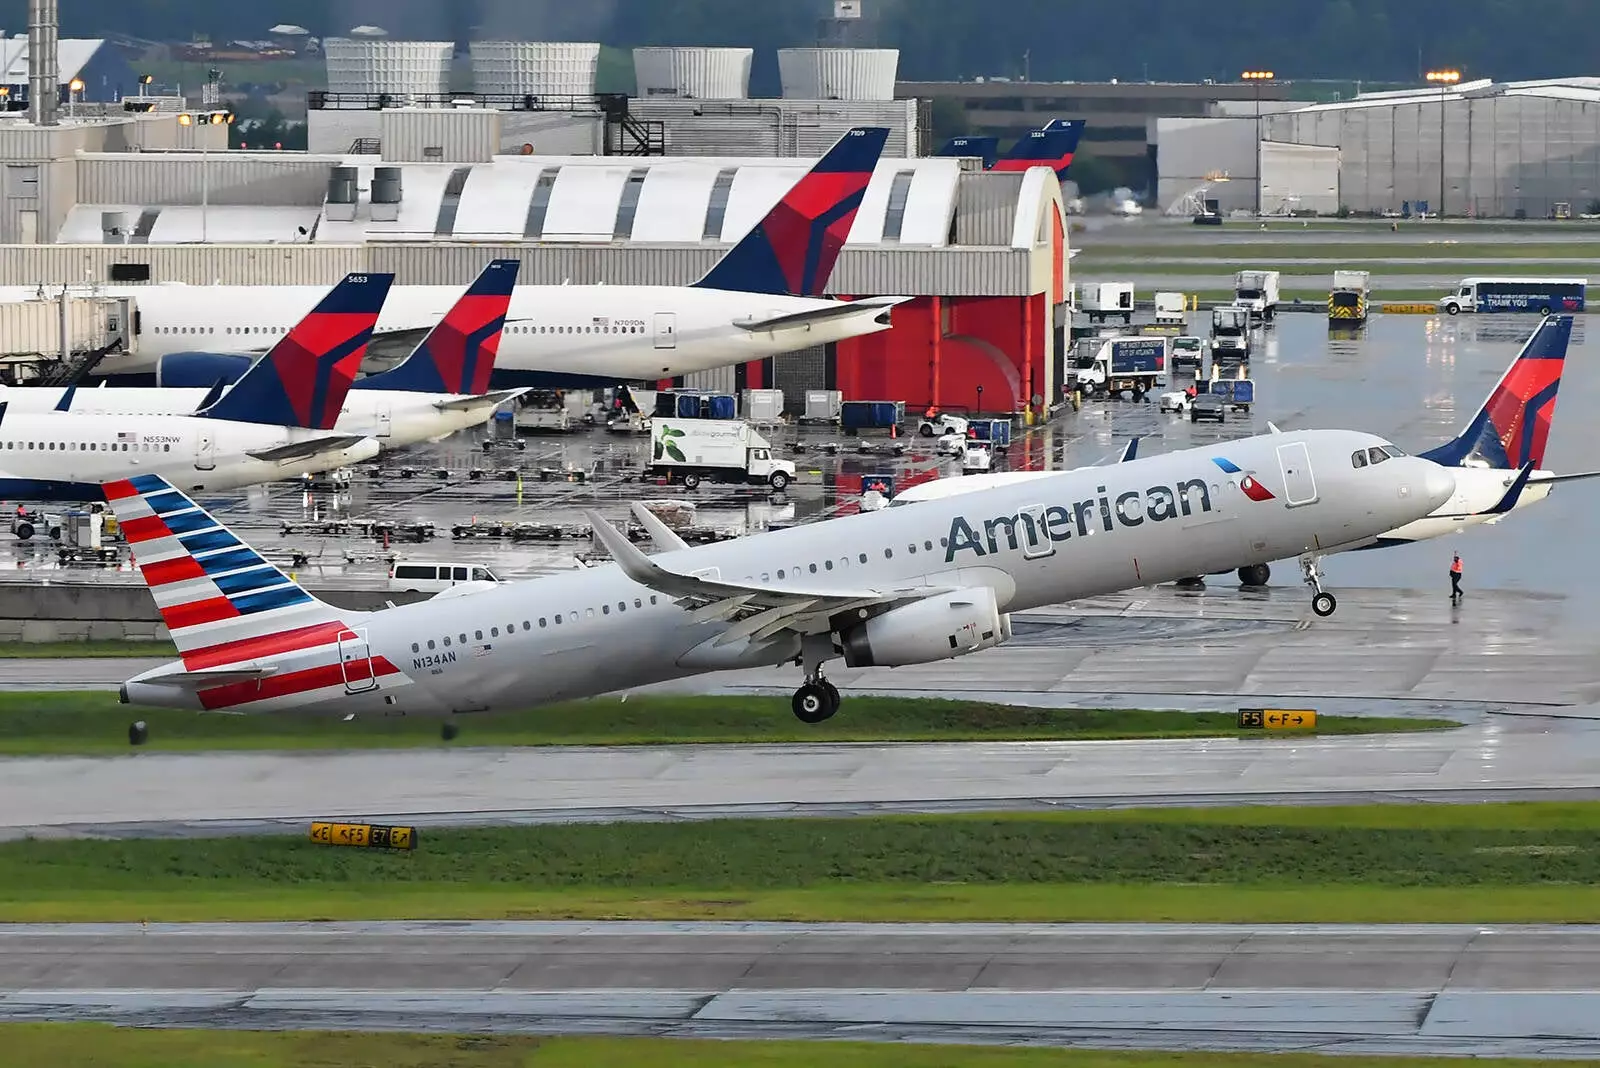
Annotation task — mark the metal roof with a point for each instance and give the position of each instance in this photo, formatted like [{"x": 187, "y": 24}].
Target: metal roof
[
  {"x": 189, "y": 224},
  {"x": 72, "y": 55},
  {"x": 1586, "y": 90}
]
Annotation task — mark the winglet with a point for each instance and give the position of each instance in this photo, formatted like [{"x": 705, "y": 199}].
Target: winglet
[
  {"x": 792, "y": 251},
  {"x": 1273, "y": 427},
  {"x": 635, "y": 564},
  {"x": 1131, "y": 452},
  {"x": 457, "y": 356},
  {"x": 303, "y": 379},
  {"x": 1513, "y": 492},
  {"x": 65, "y": 403},
  {"x": 660, "y": 534}
]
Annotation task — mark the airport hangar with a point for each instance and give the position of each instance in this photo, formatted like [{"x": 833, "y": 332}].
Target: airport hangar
[{"x": 984, "y": 255}]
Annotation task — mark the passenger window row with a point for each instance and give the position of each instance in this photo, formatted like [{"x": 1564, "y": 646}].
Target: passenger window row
[
  {"x": 527, "y": 624},
  {"x": 86, "y": 446},
  {"x": 518, "y": 328}
]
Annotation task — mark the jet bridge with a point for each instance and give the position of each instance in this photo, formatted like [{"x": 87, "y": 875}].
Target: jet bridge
[{"x": 54, "y": 339}]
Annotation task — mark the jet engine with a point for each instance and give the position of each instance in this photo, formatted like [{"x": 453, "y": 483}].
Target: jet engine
[
  {"x": 936, "y": 628},
  {"x": 201, "y": 370}
]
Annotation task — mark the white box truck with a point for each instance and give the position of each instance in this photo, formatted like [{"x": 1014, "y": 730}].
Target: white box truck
[
  {"x": 1258, "y": 291},
  {"x": 1102, "y": 300},
  {"x": 1172, "y": 309},
  {"x": 692, "y": 451}
]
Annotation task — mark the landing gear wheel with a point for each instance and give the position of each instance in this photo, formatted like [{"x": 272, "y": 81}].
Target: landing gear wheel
[
  {"x": 1323, "y": 604},
  {"x": 815, "y": 701},
  {"x": 448, "y": 731},
  {"x": 1254, "y": 575},
  {"x": 138, "y": 732}
]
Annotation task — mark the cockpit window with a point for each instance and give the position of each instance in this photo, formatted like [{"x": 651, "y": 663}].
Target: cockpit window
[
  {"x": 1392, "y": 451},
  {"x": 1376, "y": 455},
  {"x": 1358, "y": 458}
]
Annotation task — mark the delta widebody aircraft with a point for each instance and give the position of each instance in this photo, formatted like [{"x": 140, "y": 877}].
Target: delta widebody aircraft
[
  {"x": 887, "y": 588},
  {"x": 276, "y": 422},
  {"x": 764, "y": 297},
  {"x": 442, "y": 387}
]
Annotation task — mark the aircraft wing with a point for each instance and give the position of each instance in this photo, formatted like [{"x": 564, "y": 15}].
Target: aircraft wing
[
  {"x": 300, "y": 450},
  {"x": 492, "y": 399},
  {"x": 837, "y": 310},
  {"x": 758, "y": 611}
]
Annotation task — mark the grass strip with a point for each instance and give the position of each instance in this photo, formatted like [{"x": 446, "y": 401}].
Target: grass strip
[
  {"x": 91, "y": 721},
  {"x": 1447, "y": 250},
  {"x": 92, "y": 1044},
  {"x": 96, "y": 649},
  {"x": 1499, "y": 863}
]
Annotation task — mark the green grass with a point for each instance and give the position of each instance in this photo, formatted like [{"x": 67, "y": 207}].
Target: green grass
[
  {"x": 1319, "y": 297},
  {"x": 89, "y": 1045},
  {"x": 103, "y": 648},
  {"x": 1499, "y": 863},
  {"x": 1492, "y": 256},
  {"x": 92, "y": 721}
]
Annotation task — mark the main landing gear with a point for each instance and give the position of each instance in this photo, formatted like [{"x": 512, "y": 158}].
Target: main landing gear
[
  {"x": 1322, "y": 602},
  {"x": 817, "y": 699}
]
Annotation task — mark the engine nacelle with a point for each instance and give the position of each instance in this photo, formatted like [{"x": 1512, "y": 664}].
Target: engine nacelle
[
  {"x": 936, "y": 628},
  {"x": 201, "y": 370}
]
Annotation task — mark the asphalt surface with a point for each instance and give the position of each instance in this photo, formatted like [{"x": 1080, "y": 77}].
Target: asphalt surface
[{"x": 1507, "y": 991}]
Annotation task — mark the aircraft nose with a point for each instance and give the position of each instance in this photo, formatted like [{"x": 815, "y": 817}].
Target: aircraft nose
[{"x": 1438, "y": 484}]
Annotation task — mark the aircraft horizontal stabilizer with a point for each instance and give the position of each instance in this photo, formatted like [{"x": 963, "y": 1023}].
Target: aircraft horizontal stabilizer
[
  {"x": 1518, "y": 484},
  {"x": 205, "y": 678},
  {"x": 1547, "y": 478},
  {"x": 300, "y": 450},
  {"x": 791, "y": 607},
  {"x": 661, "y": 535},
  {"x": 485, "y": 400},
  {"x": 838, "y": 310}
]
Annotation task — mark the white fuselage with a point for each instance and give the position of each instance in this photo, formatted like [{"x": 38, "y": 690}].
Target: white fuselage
[
  {"x": 66, "y": 457},
  {"x": 1075, "y": 534},
  {"x": 618, "y": 333},
  {"x": 393, "y": 418},
  {"x": 1477, "y": 490}
]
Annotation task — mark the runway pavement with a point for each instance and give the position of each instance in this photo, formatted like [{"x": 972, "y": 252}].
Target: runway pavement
[{"x": 1528, "y": 991}]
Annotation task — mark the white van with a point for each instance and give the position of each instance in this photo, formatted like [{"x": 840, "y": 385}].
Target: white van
[{"x": 421, "y": 577}]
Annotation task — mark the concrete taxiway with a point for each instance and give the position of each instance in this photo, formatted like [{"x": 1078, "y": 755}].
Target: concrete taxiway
[{"x": 1509, "y": 991}]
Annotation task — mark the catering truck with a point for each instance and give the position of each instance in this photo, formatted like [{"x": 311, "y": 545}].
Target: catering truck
[
  {"x": 1134, "y": 365},
  {"x": 714, "y": 450},
  {"x": 1542, "y": 295},
  {"x": 1258, "y": 291}
]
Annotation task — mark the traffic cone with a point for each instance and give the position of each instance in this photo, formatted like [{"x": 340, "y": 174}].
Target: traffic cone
[{"x": 894, "y": 430}]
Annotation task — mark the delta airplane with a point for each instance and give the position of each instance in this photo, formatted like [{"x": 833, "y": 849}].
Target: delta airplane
[
  {"x": 762, "y": 298},
  {"x": 1496, "y": 459},
  {"x": 442, "y": 387},
  {"x": 887, "y": 588},
  {"x": 278, "y": 421}
]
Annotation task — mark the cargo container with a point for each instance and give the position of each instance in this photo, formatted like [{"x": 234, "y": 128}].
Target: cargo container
[
  {"x": 822, "y": 406},
  {"x": 715, "y": 450},
  {"x": 869, "y": 415},
  {"x": 1542, "y": 295},
  {"x": 1172, "y": 309},
  {"x": 1239, "y": 393},
  {"x": 1102, "y": 300},
  {"x": 763, "y": 406},
  {"x": 996, "y": 432}
]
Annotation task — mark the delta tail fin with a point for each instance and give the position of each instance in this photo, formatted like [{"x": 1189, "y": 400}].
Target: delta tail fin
[
  {"x": 1512, "y": 427},
  {"x": 458, "y": 354},
  {"x": 1053, "y": 147},
  {"x": 302, "y": 380},
  {"x": 984, "y": 148},
  {"x": 792, "y": 251},
  {"x": 246, "y": 631}
]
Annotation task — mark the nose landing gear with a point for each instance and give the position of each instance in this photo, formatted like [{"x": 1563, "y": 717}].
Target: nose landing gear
[{"x": 1323, "y": 603}]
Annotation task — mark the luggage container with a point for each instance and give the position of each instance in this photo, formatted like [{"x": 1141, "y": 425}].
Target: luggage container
[
  {"x": 822, "y": 406},
  {"x": 722, "y": 406}
]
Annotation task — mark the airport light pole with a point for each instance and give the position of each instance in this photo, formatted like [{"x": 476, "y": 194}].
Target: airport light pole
[
  {"x": 211, "y": 118},
  {"x": 1257, "y": 77},
  {"x": 74, "y": 94},
  {"x": 1444, "y": 79}
]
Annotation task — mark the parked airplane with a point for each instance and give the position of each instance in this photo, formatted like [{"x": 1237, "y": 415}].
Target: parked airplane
[
  {"x": 886, "y": 588},
  {"x": 762, "y": 298},
  {"x": 1052, "y": 146},
  {"x": 442, "y": 387},
  {"x": 1496, "y": 459},
  {"x": 297, "y": 388}
]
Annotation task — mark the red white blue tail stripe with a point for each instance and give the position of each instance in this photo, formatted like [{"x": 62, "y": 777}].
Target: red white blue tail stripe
[{"x": 226, "y": 606}]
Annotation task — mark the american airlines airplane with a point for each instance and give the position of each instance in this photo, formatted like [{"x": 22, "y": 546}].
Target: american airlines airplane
[
  {"x": 1496, "y": 459},
  {"x": 442, "y": 387},
  {"x": 278, "y": 421},
  {"x": 886, "y": 588},
  {"x": 764, "y": 297}
]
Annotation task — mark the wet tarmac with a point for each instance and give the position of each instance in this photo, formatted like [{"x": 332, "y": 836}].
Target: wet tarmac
[{"x": 1375, "y": 990}]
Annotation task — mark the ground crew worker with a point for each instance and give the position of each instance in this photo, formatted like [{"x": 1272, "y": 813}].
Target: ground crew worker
[{"x": 1455, "y": 579}]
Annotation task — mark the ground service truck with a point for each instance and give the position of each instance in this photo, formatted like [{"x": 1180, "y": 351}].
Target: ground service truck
[
  {"x": 1347, "y": 300},
  {"x": 1230, "y": 334},
  {"x": 1133, "y": 365},
  {"x": 714, "y": 450},
  {"x": 1542, "y": 295},
  {"x": 1257, "y": 291}
]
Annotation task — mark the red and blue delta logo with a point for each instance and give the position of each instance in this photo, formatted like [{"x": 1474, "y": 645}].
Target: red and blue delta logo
[{"x": 1247, "y": 482}]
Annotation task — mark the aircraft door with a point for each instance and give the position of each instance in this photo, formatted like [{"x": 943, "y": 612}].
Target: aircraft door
[
  {"x": 383, "y": 416},
  {"x": 205, "y": 449},
  {"x": 1036, "y": 543},
  {"x": 1299, "y": 484},
  {"x": 666, "y": 330},
  {"x": 355, "y": 662}
]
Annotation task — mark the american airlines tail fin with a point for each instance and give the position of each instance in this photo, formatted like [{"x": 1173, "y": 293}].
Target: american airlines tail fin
[
  {"x": 792, "y": 251},
  {"x": 1053, "y": 147},
  {"x": 1513, "y": 425},
  {"x": 247, "y": 632},
  {"x": 302, "y": 380},
  {"x": 984, "y": 148},
  {"x": 458, "y": 354}
]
